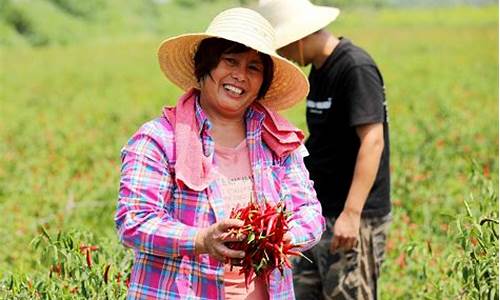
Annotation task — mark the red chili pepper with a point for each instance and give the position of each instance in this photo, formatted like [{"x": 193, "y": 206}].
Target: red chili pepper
[
  {"x": 56, "y": 269},
  {"x": 265, "y": 227},
  {"x": 270, "y": 224},
  {"x": 84, "y": 248},
  {"x": 287, "y": 262},
  {"x": 248, "y": 276},
  {"x": 88, "y": 258},
  {"x": 127, "y": 281}
]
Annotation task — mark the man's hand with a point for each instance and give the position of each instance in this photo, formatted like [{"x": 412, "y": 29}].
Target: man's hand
[
  {"x": 211, "y": 240},
  {"x": 346, "y": 230}
]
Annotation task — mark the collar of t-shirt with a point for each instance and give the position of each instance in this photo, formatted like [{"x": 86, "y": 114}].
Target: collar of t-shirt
[
  {"x": 339, "y": 50},
  {"x": 235, "y": 175}
]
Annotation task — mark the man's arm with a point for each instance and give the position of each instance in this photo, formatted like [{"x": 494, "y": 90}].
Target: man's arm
[{"x": 346, "y": 228}]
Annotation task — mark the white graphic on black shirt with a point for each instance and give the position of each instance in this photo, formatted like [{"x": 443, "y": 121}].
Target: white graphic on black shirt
[{"x": 317, "y": 107}]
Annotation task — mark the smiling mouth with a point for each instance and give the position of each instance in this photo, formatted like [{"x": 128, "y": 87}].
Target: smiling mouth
[{"x": 233, "y": 89}]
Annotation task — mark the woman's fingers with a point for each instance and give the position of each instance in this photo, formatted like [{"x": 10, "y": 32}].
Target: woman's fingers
[
  {"x": 227, "y": 224},
  {"x": 233, "y": 238},
  {"x": 227, "y": 252},
  {"x": 221, "y": 252},
  {"x": 229, "y": 230},
  {"x": 220, "y": 233},
  {"x": 238, "y": 262}
]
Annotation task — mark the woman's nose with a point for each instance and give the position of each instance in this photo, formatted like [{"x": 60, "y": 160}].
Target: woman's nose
[{"x": 239, "y": 74}]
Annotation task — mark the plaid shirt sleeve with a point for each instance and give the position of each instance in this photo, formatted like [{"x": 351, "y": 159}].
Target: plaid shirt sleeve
[
  {"x": 142, "y": 221},
  {"x": 307, "y": 224}
]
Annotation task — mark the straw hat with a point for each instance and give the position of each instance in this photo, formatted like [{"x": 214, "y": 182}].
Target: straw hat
[
  {"x": 294, "y": 19},
  {"x": 247, "y": 27}
]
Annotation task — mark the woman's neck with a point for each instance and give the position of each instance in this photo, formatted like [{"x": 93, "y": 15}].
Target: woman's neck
[
  {"x": 227, "y": 130},
  {"x": 228, "y": 133}
]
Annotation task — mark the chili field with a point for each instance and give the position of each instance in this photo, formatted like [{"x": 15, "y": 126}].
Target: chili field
[{"x": 66, "y": 109}]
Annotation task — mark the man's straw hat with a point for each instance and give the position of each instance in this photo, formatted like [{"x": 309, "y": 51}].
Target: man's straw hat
[
  {"x": 295, "y": 19},
  {"x": 247, "y": 27}
]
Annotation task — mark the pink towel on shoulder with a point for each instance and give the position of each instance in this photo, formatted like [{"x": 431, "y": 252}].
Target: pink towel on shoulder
[
  {"x": 192, "y": 167},
  {"x": 279, "y": 134}
]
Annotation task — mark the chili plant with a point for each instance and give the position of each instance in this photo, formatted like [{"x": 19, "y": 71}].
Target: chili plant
[{"x": 75, "y": 267}]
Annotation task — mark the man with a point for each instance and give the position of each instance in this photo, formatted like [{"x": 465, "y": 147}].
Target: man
[{"x": 349, "y": 151}]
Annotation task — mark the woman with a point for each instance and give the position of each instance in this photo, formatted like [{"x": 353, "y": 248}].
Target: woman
[{"x": 221, "y": 145}]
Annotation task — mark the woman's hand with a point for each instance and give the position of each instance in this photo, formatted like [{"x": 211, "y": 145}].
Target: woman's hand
[{"x": 211, "y": 240}]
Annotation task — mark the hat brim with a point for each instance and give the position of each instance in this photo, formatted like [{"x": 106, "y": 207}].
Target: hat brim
[
  {"x": 176, "y": 59},
  {"x": 318, "y": 17}
]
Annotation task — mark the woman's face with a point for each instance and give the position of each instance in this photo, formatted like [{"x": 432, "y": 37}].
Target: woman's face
[{"x": 233, "y": 84}]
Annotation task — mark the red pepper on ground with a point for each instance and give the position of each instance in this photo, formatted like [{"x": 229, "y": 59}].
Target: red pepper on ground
[{"x": 88, "y": 257}]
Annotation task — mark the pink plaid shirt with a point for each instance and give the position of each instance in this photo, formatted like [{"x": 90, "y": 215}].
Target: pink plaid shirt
[{"x": 159, "y": 218}]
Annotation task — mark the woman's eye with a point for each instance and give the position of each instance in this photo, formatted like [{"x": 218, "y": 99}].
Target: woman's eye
[
  {"x": 230, "y": 60},
  {"x": 255, "y": 68}
]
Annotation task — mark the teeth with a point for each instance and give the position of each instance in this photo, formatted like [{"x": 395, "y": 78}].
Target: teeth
[{"x": 233, "y": 89}]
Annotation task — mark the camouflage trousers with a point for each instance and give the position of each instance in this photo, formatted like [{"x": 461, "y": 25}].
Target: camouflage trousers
[{"x": 343, "y": 274}]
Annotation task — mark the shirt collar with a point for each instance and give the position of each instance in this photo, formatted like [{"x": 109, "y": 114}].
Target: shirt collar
[
  {"x": 201, "y": 118},
  {"x": 253, "y": 114}
]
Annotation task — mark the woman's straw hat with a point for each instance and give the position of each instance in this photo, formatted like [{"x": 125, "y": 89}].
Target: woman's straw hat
[
  {"x": 247, "y": 27},
  {"x": 295, "y": 19}
]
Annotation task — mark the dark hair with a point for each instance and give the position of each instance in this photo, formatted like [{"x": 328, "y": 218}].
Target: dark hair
[{"x": 210, "y": 50}]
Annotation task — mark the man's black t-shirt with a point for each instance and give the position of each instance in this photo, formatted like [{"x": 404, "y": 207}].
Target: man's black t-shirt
[{"x": 347, "y": 91}]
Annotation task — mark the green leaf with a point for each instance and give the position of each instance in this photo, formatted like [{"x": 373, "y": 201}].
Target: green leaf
[
  {"x": 45, "y": 233},
  {"x": 429, "y": 248},
  {"x": 251, "y": 238},
  {"x": 465, "y": 273},
  {"x": 12, "y": 282},
  {"x": 35, "y": 243}
]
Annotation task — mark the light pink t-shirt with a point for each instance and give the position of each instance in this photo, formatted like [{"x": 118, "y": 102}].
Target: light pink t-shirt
[{"x": 236, "y": 184}]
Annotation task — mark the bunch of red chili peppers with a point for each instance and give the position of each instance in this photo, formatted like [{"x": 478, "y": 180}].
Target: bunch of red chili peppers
[{"x": 265, "y": 249}]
